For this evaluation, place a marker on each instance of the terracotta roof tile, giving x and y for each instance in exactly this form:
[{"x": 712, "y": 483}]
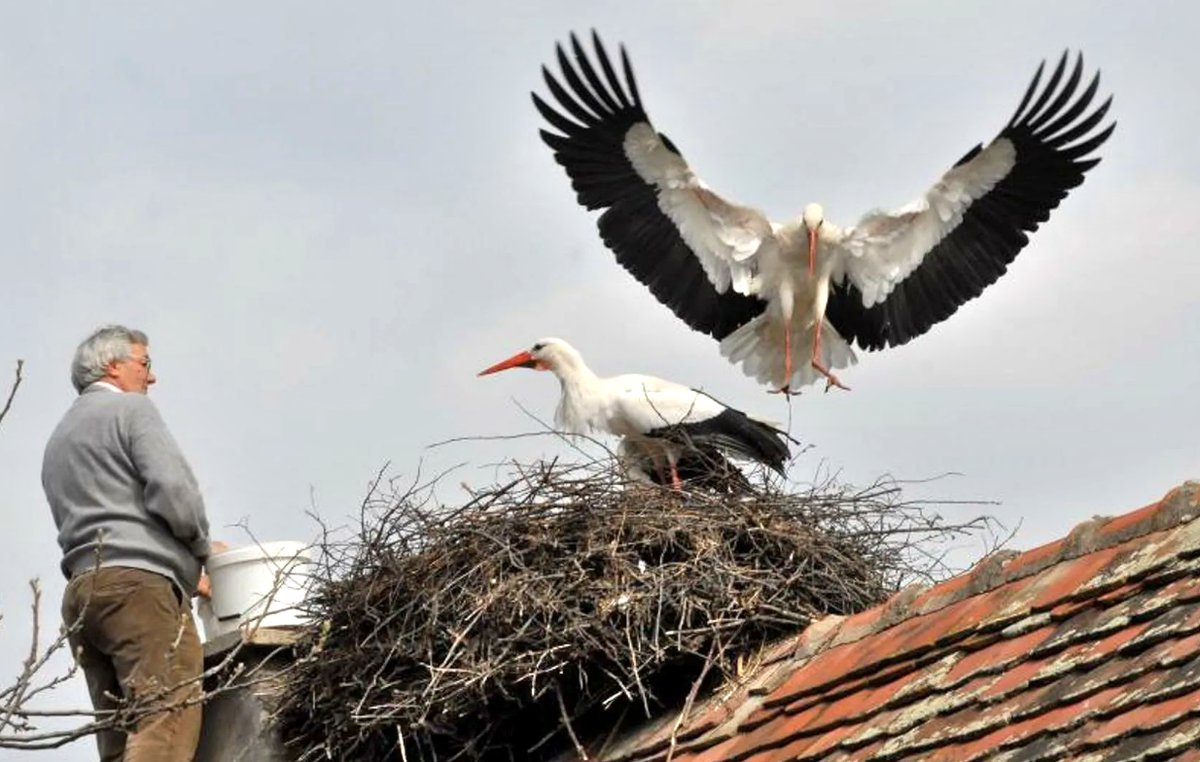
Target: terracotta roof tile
[{"x": 1087, "y": 648}]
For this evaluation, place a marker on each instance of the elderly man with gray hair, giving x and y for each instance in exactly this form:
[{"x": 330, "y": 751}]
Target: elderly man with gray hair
[{"x": 134, "y": 536}]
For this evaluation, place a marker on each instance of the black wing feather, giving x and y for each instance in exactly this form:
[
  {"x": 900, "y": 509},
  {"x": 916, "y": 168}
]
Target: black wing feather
[
  {"x": 589, "y": 144},
  {"x": 1052, "y": 139}
]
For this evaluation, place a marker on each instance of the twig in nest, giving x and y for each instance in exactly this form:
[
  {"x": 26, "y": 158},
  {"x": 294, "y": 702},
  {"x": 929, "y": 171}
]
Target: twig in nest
[{"x": 566, "y": 720}]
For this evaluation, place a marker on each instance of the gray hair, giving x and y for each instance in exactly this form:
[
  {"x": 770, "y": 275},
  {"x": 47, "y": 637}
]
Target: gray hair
[{"x": 106, "y": 345}]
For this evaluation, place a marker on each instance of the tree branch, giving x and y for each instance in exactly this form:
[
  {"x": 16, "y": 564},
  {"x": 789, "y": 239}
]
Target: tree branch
[
  {"x": 13, "y": 392},
  {"x": 21, "y": 725}
]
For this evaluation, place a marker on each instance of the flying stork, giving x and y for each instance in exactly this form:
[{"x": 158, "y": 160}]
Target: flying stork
[
  {"x": 661, "y": 422},
  {"x": 758, "y": 286}
]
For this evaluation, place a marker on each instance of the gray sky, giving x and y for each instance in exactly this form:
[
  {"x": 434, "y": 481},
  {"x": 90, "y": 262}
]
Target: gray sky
[{"x": 328, "y": 219}]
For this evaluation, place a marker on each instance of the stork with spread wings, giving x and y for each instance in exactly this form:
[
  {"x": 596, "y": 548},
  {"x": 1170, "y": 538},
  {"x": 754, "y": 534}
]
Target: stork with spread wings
[{"x": 761, "y": 287}]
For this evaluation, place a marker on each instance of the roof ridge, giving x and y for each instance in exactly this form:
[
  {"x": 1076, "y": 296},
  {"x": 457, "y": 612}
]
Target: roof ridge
[
  {"x": 1098, "y": 584},
  {"x": 1178, "y": 506},
  {"x": 750, "y": 701}
]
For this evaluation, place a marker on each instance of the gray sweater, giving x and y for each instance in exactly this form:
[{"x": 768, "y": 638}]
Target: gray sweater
[{"x": 113, "y": 471}]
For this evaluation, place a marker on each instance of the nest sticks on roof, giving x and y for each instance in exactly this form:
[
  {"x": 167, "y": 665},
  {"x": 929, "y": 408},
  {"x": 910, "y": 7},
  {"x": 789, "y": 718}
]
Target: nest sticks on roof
[{"x": 566, "y": 602}]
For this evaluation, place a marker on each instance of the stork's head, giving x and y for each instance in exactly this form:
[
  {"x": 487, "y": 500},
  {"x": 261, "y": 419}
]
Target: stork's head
[
  {"x": 546, "y": 354},
  {"x": 814, "y": 215}
]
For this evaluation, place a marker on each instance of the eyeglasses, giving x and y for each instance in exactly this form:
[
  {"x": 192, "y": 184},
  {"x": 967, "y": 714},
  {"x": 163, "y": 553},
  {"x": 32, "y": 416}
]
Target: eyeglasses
[{"x": 143, "y": 361}]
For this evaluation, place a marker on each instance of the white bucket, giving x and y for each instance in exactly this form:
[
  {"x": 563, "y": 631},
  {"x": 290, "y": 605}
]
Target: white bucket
[{"x": 256, "y": 586}]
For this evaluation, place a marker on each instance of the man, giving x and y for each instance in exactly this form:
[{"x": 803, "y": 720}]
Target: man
[{"x": 134, "y": 535}]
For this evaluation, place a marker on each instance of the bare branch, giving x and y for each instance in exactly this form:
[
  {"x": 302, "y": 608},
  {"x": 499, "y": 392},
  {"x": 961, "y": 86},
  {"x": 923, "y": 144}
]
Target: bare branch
[
  {"x": 21, "y": 723},
  {"x": 13, "y": 391}
]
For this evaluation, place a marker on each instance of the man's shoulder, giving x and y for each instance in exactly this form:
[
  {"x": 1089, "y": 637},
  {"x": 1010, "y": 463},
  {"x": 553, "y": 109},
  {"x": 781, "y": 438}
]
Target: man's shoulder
[{"x": 119, "y": 403}]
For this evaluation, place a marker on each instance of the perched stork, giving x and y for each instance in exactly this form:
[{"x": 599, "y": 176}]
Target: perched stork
[
  {"x": 661, "y": 422},
  {"x": 760, "y": 287}
]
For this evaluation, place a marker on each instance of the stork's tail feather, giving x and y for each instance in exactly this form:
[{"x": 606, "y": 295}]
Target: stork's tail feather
[
  {"x": 737, "y": 434},
  {"x": 758, "y": 346},
  {"x": 763, "y": 442}
]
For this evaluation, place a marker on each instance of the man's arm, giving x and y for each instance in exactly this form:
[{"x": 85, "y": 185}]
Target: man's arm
[{"x": 170, "y": 489}]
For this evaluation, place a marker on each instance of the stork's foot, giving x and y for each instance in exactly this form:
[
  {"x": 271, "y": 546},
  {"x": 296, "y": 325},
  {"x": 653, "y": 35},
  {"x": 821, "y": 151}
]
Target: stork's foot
[
  {"x": 830, "y": 379},
  {"x": 785, "y": 389}
]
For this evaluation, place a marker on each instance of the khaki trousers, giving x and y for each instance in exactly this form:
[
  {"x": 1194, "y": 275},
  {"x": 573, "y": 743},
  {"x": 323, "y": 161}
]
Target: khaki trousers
[{"x": 135, "y": 637}]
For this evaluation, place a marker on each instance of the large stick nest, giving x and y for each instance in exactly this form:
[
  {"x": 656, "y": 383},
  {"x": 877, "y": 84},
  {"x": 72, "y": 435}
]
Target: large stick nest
[{"x": 566, "y": 603}]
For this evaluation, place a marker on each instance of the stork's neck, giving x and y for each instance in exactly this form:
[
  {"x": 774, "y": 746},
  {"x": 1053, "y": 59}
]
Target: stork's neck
[
  {"x": 581, "y": 395},
  {"x": 575, "y": 376},
  {"x": 827, "y": 232},
  {"x": 795, "y": 239}
]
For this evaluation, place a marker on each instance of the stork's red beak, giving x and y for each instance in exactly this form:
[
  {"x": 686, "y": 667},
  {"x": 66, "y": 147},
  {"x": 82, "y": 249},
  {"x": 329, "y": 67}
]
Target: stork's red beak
[
  {"x": 519, "y": 360},
  {"x": 812, "y": 251}
]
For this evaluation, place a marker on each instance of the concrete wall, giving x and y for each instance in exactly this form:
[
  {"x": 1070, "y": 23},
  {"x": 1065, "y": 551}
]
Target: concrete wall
[{"x": 234, "y": 727}]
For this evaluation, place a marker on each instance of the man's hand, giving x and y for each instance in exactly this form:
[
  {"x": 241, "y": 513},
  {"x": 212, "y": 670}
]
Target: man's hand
[{"x": 204, "y": 585}]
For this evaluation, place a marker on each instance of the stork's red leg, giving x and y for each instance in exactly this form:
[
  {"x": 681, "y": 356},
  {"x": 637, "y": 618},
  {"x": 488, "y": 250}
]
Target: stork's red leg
[
  {"x": 830, "y": 379},
  {"x": 676, "y": 482},
  {"x": 787, "y": 356},
  {"x": 787, "y": 362}
]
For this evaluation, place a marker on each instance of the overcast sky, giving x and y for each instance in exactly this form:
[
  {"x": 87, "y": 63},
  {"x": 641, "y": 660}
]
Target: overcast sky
[{"x": 329, "y": 217}]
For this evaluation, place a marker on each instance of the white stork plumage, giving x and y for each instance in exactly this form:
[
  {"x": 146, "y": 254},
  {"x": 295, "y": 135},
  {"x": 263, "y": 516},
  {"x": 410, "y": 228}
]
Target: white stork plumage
[
  {"x": 759, "y": 287},
  {"x": 661, "y": 422}
]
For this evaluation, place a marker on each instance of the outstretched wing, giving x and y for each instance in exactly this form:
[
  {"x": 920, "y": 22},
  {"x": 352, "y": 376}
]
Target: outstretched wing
[
  {"x": 697, "y": 253},
  {"x": 907, "y": 270}
]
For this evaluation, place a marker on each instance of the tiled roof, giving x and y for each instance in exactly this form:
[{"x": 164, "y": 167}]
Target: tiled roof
[{"x": 1085, "y": 649}]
